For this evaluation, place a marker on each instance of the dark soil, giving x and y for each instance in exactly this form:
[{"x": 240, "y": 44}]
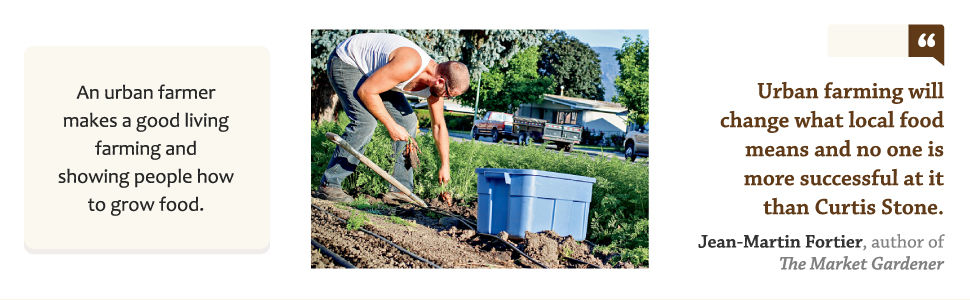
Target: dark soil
[
  {"x": 360, "y": 249},
  {"x": 490, "y": 247},
  {"x": 547, "y": 247},
  {"x": 320, "y": 261},
  {"x": 424, "y": 240},
  {"x": 467, "y": 210},
  {"x": 541, "y": 247},
  {"x": 436, "y": 237},
  {"x": 431, "y": 245}
]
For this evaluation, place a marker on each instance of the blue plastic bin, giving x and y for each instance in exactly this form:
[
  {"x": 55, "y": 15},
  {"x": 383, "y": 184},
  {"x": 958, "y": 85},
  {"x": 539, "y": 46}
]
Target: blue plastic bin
[{"x": 516, "y": 201}]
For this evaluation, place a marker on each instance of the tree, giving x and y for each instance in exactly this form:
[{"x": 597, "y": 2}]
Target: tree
[
  {"x": 633, "y": 83},
  {"x": 507, "y": 88},
  {"x": 573, "y": 65},
  {"x": 479, "y": 49}
]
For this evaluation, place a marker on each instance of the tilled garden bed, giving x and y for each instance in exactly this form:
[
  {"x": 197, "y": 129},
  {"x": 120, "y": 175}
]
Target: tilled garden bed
[
  {"x": 320, "y": 261},
  {"x": 439, "y": 239}
]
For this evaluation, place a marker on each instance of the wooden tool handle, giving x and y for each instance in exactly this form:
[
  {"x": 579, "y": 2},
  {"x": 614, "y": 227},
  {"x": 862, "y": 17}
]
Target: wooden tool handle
[{"x": 370, "y": 164}]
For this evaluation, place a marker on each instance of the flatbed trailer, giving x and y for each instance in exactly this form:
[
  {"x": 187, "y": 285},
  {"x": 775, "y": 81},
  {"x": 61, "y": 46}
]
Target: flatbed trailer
[{"x": 524, "y": 130}]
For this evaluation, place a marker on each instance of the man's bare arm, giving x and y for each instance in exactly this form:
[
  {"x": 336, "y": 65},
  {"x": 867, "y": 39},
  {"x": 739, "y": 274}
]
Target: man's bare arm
[
  {"x": 440, "y": 133},
  {"x": 403, "y": 64}
]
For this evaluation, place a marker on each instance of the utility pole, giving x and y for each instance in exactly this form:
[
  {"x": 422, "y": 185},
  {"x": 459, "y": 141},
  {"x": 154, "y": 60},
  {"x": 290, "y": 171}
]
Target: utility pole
[{"x": 478, "y": 92}]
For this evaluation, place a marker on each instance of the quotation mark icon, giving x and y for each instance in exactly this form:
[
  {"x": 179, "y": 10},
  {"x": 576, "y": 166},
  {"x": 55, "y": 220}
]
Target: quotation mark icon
[{"x": 928, "y": 42}]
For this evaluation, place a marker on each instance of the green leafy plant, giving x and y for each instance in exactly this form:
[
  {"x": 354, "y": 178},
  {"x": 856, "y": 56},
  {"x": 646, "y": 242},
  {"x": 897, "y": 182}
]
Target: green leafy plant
[
  {"x": 433, "y": 215},
  {"x": 357, "y": 220},
  {"x": 568, "y": 251},
  {"x": 398, "y": 220},
  {"x": 361, "y": 203},
  {"x": 638, "y": 256}
]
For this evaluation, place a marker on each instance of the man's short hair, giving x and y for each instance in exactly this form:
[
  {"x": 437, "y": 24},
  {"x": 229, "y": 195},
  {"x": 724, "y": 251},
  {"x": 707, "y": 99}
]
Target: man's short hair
[{"x": 456, "y": 73}]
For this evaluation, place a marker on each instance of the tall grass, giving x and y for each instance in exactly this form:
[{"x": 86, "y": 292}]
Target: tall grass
[{"x": 618, "y": 212}]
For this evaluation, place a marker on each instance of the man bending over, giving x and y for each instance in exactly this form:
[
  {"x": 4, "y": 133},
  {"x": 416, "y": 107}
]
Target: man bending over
[{"x": 370, "y": 74}]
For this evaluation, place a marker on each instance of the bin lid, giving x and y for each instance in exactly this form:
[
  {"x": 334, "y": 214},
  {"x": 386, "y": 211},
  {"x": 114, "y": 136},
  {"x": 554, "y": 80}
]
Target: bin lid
[{"x": 537, "y": 173}]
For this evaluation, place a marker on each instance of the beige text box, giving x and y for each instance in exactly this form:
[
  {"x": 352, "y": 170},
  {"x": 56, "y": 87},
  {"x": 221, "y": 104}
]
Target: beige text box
[{"x": 233, "y": 217}]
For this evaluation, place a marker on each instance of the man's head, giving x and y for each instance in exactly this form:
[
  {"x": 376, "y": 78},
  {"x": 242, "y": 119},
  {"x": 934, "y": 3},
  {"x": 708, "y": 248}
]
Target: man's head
[{"x": 451, "y": 79}]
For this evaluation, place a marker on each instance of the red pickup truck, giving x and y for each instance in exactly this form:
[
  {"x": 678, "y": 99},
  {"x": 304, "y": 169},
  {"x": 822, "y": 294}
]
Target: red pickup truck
[{"x": 500, "y": 125}]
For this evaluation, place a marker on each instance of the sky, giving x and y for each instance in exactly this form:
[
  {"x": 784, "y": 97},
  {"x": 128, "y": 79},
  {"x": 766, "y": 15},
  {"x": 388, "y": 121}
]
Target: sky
[{"x": 606, "y": 38}]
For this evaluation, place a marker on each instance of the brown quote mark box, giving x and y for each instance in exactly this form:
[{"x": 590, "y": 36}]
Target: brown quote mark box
[
  {"x": 926, "y": 41},
  {"x": 887, "y": 41}
]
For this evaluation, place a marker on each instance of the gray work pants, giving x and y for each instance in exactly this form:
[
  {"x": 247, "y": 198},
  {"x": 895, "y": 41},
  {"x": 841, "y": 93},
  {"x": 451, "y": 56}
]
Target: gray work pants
[{"x": 346, "y": 79}]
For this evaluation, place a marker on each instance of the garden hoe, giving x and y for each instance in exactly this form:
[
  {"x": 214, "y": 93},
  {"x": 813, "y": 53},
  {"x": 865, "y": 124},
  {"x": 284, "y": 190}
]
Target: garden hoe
[{"x": 343, "y": 144}]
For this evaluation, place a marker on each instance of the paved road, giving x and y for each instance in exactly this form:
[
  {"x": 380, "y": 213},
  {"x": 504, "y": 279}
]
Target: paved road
[{"x": 461, "y": 137}]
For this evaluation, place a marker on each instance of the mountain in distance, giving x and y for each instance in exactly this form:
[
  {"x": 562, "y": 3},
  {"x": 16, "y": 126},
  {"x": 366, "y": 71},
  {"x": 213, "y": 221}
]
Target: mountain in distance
[{"x": 610, "y": 68}]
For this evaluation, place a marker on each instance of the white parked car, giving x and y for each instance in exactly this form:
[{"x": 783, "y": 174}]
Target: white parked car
[{"x": 637, "y": 141}]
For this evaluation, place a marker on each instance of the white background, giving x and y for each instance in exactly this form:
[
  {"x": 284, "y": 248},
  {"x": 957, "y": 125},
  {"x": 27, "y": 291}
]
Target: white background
[{"x": 707, "y": 60}]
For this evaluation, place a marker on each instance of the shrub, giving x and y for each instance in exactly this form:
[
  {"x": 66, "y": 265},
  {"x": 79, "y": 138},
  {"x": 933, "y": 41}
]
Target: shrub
[
  {"x": 424, "y": 118},
  {"x": 462, "y": 122},
  {"x": 596, "y": 138},
  {"x": 616, "y": 140},
  {"x": 453, "y": 121},
  {"x": 591, "y": 137}
]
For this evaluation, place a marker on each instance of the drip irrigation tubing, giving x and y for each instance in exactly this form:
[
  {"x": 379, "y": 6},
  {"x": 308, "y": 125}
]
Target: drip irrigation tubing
[
  {"x": 469, "y": 223},
  {"x": 474, "y": 225},
  {"x": 336, "y": 258},
  {"x": 579, "y": 261},
  {"x": 409, "y": 253},
  {"x": 514, "y": 248}
]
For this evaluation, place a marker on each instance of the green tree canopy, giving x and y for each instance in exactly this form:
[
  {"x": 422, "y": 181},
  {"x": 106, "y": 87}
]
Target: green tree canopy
[
  {"x": 480, "y": 50},
  {"x": 507, "y": 88},
  {"x": 572, "y": 65},
  {"x": 633, "y": 83}
]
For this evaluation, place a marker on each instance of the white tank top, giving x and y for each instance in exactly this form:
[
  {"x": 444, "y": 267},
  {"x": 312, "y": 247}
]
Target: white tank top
[{"x": 369, "y": 52}]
